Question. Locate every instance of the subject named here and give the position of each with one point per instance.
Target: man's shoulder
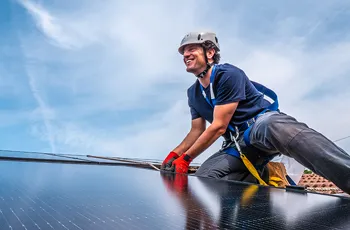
(227, 68)
(192, 88)
(228, 72)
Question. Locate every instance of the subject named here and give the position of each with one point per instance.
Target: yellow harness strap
(272, 180)
(252, 169)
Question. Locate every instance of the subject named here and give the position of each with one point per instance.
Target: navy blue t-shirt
(230, 85)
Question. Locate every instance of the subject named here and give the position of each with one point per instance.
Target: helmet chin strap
(202, 74)
(209, 65)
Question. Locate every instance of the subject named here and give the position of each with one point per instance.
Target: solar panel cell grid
(68, 196)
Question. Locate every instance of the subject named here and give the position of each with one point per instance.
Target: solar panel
(81, 196)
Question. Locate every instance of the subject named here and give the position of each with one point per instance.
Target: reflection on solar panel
(40, 195)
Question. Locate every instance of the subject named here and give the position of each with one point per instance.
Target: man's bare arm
(222, 117)
(197, 128)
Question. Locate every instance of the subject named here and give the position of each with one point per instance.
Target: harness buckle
(233, 139)
(225, 144)
(251, 121)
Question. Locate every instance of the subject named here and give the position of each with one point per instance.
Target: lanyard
(211, 101)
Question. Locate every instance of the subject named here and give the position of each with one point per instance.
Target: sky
(105, 77)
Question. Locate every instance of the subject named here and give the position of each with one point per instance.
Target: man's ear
(210, 53)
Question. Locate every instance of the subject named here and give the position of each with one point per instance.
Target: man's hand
(181, 164)
(169, 160)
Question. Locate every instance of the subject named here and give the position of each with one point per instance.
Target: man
(252, 127)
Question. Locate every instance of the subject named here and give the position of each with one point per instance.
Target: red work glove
(181, 164)
(166, 165)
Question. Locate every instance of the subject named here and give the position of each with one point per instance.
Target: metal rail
(125, 160)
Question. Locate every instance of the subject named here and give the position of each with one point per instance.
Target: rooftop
(316, 183)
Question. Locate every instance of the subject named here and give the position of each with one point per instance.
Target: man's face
(194, 59)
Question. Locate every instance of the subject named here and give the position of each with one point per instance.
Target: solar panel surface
(67, 196)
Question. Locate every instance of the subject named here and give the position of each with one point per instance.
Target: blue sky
(106, 78)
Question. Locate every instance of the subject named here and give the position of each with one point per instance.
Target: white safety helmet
(198, 38)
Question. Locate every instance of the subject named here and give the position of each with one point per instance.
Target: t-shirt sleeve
(231, 87)
(193, 111)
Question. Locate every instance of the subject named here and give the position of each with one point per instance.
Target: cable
(69, 156)
(130, 160)
(75, 158)
(343, 138)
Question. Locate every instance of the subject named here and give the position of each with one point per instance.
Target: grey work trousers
(276, 132)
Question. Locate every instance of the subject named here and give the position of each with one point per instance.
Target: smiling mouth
(188, 62)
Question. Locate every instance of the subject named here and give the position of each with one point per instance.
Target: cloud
(47, 24)
(68, 37)
(108, 79)
(45, 112)
(123, 57)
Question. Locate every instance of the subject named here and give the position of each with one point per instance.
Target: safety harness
(246, 127)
